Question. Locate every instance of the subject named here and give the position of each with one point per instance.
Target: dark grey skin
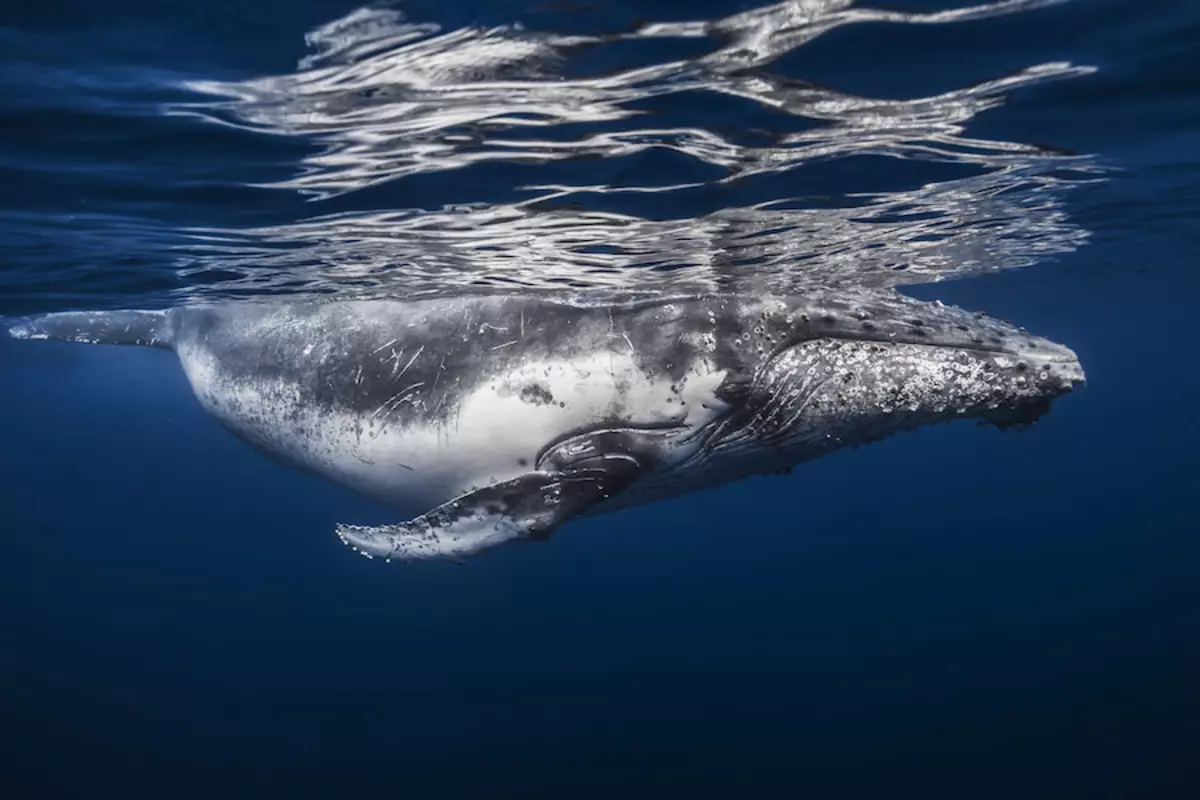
(497, 418)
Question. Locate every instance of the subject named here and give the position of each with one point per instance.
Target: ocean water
(958, 612)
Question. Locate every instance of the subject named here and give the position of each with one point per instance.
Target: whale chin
(1020, 416)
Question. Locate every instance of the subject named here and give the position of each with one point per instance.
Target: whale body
(496, 418)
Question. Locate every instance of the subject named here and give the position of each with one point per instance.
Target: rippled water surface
(421, 150)
(961, 613)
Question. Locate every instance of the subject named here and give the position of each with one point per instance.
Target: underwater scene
(580, 399)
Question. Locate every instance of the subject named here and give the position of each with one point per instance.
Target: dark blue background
(957, 613)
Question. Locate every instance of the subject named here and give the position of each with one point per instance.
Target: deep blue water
(957, 613)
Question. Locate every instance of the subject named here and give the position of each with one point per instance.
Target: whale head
(827, 371)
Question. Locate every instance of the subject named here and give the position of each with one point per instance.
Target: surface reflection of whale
(495, 418)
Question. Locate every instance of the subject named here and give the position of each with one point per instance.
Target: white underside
(492, 436)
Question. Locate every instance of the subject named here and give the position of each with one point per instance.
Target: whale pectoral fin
(528, 507)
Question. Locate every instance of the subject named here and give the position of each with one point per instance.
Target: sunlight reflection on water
(389, 99)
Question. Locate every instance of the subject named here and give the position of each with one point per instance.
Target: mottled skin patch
(537, 394)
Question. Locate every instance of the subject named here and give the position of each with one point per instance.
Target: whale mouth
(1027, 350)
(1052, 366)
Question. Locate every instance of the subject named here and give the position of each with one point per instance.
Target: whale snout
(1053, 364)
(1034, 363)
(1027, 378)
(1062, 375)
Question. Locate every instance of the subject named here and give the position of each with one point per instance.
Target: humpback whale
(495, 418)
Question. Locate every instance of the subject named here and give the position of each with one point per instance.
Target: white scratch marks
(395, 359)
(420, 350)
(396, 399)
(438, 376)
(384, 346)
(506, 344)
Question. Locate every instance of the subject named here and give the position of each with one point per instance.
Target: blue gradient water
(956, 613)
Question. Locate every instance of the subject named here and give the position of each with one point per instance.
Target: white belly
(491, 434)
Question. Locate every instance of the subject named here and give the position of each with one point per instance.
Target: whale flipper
(528, 507)
(145, 328)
